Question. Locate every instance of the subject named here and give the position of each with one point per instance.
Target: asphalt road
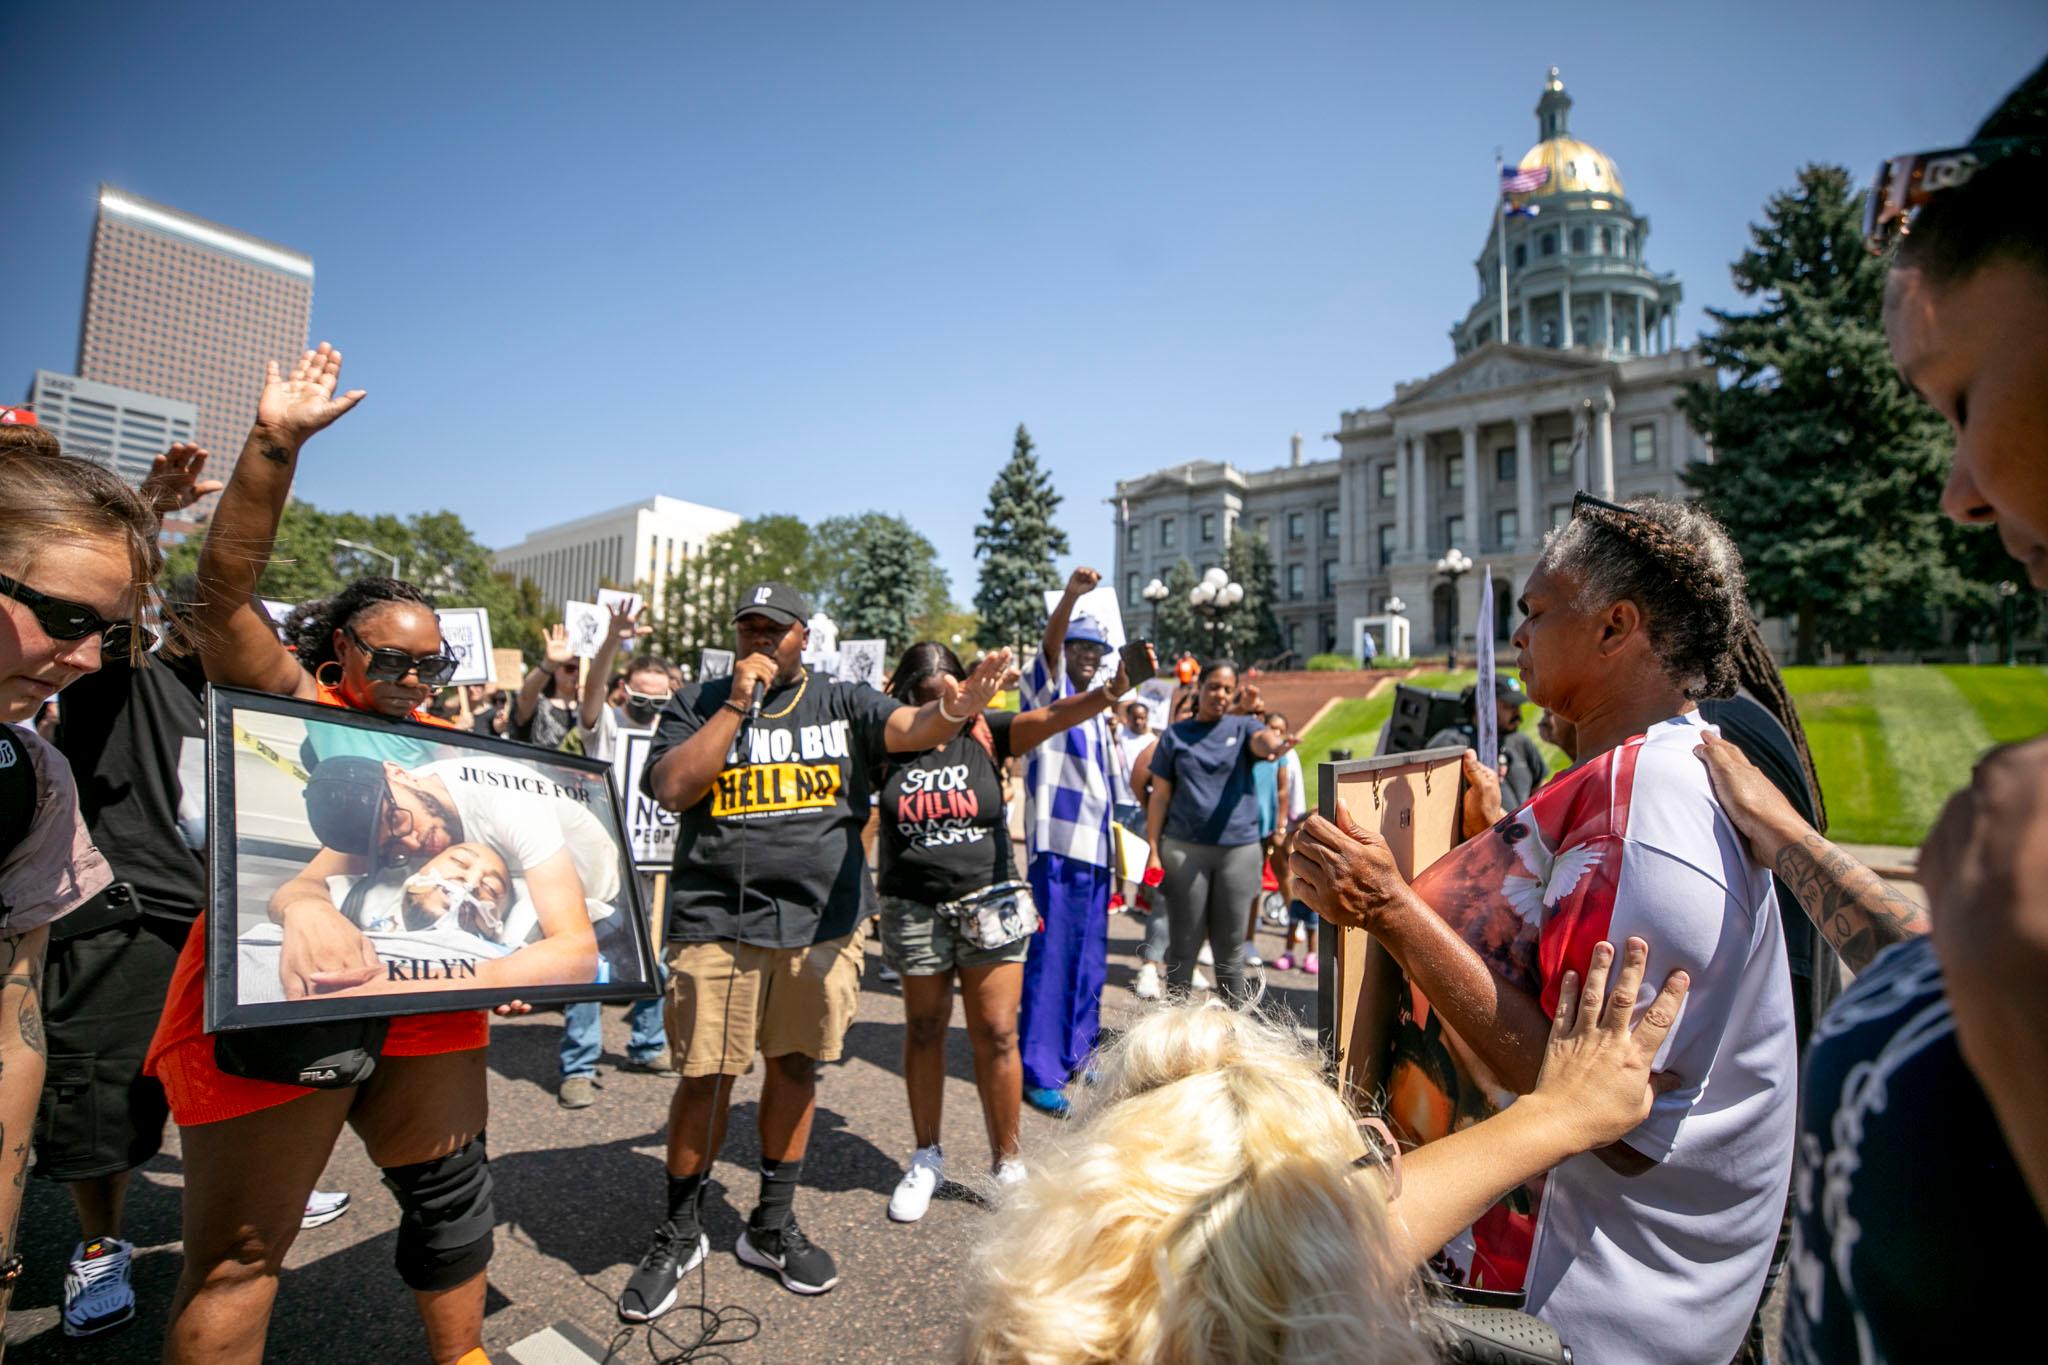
(579, 1190)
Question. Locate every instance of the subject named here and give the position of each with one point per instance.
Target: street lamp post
(361, 548)
(1214, 597)
(1453, 566)
(2008, 595)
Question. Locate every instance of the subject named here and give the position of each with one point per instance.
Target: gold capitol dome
(1575, 167)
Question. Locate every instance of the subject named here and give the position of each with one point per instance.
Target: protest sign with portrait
(650, 829)
(466, 631)
(364, 867)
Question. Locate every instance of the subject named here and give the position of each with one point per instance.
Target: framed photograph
(467, 631)
(364, 867)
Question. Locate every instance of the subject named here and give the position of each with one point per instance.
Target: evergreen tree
(1251, 631)
(884, 577)
(1019, 547)
(1827, 469)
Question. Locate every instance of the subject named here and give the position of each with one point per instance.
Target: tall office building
(123, 429)
(191, 310)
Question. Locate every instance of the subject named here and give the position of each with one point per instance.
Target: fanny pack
(994, 916)
(324, 1056)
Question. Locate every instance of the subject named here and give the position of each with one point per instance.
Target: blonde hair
(54, 500)
(1205, 1209)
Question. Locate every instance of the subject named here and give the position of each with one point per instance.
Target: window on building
(1560, 513)
(1329, 578)
(1454, 471)
(1454, 533)
(1386, 546)
(1578, 241)
(1169, 534)
(1297, 526)
(1386, 481)
(1521, 257)
(1132, 593)
(1606, 240)
(1507, 528)
(1294, 636)
(1262, 527)
(1642, 444)
(1329, 523)
(1297, 581)
(1504, 465)
(1329, 635)
(1549, 243)
(1560, 456)
(1134, 538)
(1208, 528)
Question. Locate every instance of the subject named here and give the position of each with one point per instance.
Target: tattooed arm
(1859, 912)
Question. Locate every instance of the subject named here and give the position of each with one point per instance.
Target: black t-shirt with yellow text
(790, 801)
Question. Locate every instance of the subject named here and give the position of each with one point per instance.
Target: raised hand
(173, 483)
(1246, 702)
(626, 626)
(1082, 580)
(556, 649)
(1345, 873)
(989, 676)
(1596, 1077)
(293, 407)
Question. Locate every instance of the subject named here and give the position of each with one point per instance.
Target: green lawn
(1891, 742)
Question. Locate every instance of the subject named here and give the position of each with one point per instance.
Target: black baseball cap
(776, 601)
(344, 796)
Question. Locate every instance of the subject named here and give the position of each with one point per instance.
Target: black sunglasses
(391, 665)
(1583, 500)
(63, 620)
(1904, 184)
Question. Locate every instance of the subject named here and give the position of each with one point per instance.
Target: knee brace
(445, 1217)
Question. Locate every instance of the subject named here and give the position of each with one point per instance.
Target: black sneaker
(805, 1269)
(651, 1289)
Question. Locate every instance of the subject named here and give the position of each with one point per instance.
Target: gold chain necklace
(778, 715)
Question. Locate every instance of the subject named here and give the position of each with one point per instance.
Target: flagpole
(1500, 240)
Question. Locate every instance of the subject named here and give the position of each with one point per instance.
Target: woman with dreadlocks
(254, 1143)
(1655, 1248)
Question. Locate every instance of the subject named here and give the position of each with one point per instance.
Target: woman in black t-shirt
(946, 867)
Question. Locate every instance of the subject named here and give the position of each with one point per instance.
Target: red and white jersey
(1666, 1266)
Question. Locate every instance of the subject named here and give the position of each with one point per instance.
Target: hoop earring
(318, 673)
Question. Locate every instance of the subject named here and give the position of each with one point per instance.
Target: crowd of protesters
(1706, 1104)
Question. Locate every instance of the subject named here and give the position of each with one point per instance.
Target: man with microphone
(770, 770)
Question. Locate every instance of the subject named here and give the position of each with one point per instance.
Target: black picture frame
(227, 841)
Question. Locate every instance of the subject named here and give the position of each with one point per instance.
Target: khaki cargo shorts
(725, 1001)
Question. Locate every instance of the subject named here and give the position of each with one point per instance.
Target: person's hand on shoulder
(1596, 1081)
(1758, 810)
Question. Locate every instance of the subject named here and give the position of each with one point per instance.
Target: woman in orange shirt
(253, 1148)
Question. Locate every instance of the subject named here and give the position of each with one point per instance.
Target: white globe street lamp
(1154, 592)
(1395, 606)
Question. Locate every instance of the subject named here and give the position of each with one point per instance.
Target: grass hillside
(1891, 743)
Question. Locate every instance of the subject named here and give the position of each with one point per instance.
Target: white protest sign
(610, 599)
(586, 623)
(714, 663)
(824, 634)
(1157, 694)
(822, 663)
(1099, 602)
(650, 830)
(467, 633)
(278, 611)
(863, 661)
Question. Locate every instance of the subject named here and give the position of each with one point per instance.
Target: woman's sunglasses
(391, 665)
(1904, 184)
(63, 620)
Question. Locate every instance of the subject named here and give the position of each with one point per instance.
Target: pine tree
(885, 577)
(1827, 470)
(1019, 547)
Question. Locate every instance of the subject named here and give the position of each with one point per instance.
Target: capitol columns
(1468, 435)
(1525, 484)
(1603, 445)
(1402, 543)
(1418, 488)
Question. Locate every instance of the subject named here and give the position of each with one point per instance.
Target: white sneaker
(1252, 958)
(914, 1192)
(1147, 987)
(889, 973)
(1206, 957)
(1200, 982)
(1010, 1171)
(324, 1206)
(97, 1295)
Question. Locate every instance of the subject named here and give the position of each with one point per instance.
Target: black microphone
(754, 706)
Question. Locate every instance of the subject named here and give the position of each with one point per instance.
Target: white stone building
(642, 542)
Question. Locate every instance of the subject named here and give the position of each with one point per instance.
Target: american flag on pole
(1520, 181)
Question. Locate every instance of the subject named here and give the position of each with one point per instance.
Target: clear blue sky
(824, 258)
